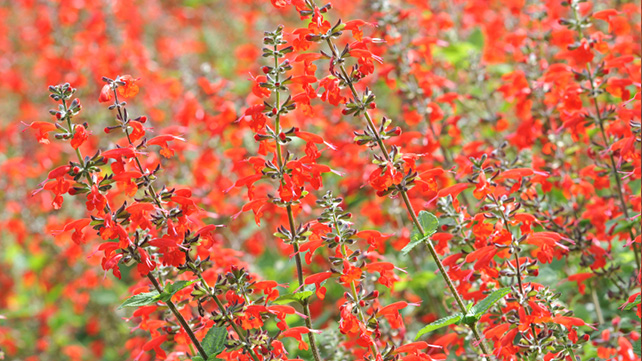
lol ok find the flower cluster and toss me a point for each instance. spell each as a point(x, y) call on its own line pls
point(394, 181)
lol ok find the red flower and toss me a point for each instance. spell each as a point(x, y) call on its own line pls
point(106, 94)
point(95, 200)
point(78, 225)
point(350, 274)
point(80, 135)
point(279, 4)
point(42, 129)
point(317, 279)
point(130, 89)
point(296, 333)
point(382, 179)
point(163, 140)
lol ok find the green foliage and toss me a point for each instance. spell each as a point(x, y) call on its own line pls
point(636, 348)
point(633, 304)
point(484, 305)
point(141, 299)
point(148, 298)
point(296, 297)
point(442, 322)
point(214, 341)
point(458, 53)
point(429, 223)
point(471, 317)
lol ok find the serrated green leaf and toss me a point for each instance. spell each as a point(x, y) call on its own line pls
point(633, 304)
point(214, 341)
point(300, 296)
point(429, 223)
point(197, 358)
point(141, 299)
point(442, 322)
point(484, 305)
point(172, 288)
point(636, 348)
point(410, 246)
point(296, 297)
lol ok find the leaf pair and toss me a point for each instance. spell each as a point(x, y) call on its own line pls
point(429, 223)
point(148, 298)
point(299, 297)
point(472, 315)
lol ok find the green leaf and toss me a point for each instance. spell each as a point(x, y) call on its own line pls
point(633, 304)
point(197, 358)
point(214, 341)
point(148, 298)
point(172, 288)
point(484, 305)
point(410, 246)
point(476, 39)
point(141, 299)
point(442, 322)
point(429, 223)
point(296, 297)
point(636, 348)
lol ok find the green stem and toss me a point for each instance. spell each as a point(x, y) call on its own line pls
point(410, 209)
point(221, 307)
point(297, 256)
point(158, 287)
point(353, 287)
point(614, 171)
point(596, 302)
point(179, 317)
point(123, 117)
point(299, 272)
point(443, 272)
